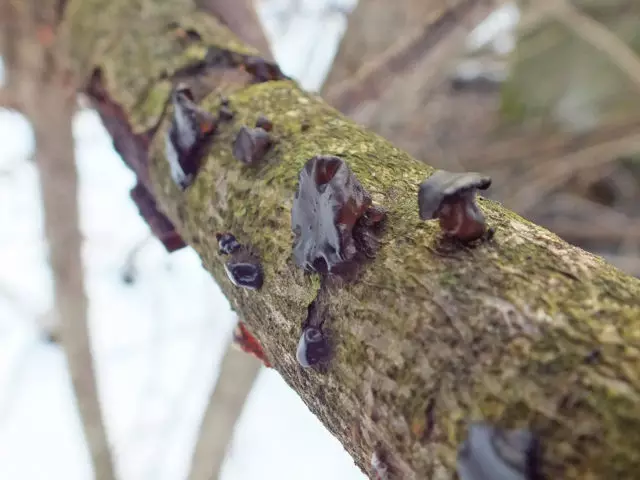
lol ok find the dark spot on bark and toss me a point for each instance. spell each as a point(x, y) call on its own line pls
point(227, 243)
point(305, 125)
point(490, 453)
point(593, 357)
point(188, 137)
point(430, 419)
point(224, 101)
point(225, 114)
point(328, 206)
point(251, 145)
point(451, 198)
point(193, 35)
point(264, 123)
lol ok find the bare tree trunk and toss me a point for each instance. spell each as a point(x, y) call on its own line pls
point(522, 330)
point(237, 376)
point(41, 85)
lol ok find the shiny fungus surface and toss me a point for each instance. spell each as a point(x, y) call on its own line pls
point(187, 138)
point(491, 453)
point(451, 198)
point(313, 347)
point(328, 202)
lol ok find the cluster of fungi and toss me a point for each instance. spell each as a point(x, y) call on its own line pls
point(336, 228)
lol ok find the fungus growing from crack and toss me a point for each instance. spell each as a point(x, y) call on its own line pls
point(189, 134)
point(313, 347)
point(227, 243)
point(328, 204)
point(251, 145)
point(243, 338)
point(451, 198)
point(490, 453)
point(244, 269)
point(264, 123)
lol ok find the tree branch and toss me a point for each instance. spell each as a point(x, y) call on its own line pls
point(522, 330)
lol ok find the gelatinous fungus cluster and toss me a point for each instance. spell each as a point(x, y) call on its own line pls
point(451, 198)
point(490, 453)
point(243, 338)
point(332, 216)
point(243, 268)
point(188, 136)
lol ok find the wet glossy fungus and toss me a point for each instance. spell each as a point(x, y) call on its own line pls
point(490, 453)
point(313, 348)
point(327, 204)
point(187, 138)
point(244, 270)
point(264, 123)
point(227, 243)
point(451, 198)
point(251, 144)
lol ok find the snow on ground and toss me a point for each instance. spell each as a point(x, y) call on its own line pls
point(157, 342)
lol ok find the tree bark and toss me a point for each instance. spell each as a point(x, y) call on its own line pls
point(522, 330)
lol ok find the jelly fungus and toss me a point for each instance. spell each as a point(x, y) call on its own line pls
point(187, 138)
point(227, 243)
point(313, 348)
point(451, 198)
point(251, 145)
point(264, 123)
point(490, 453)
point(244, 270)
point(328, 203)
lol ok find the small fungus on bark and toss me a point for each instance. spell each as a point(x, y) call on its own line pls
point(313, 348)
point(244, 269)
point(264, 123)
point(490, 453)
point(329, 202)
point(243, 338)
point(251, 145)
point(451, 198)
point(187, 139)
point(227, 243)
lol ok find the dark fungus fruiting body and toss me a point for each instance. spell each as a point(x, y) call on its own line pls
point(244, 269)
point(490, 453)
point(264, 123)
point(243, 338)
point(251, 145)
point(313, 347)
point(328, 204)
point(227, 243)
point(451, 198)
point(187, 138)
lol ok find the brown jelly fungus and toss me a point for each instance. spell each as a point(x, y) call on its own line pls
point(251, 145)
point(264, 123)
point(187, 138)
point(244, 270)
point(451, 198)
point(227, 243)
point(327, 204)
point(313, 348)
point(490, 453)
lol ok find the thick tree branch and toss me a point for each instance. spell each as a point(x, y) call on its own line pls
point(522, 330)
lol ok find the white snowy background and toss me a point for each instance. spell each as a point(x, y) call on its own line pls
point(157, 342)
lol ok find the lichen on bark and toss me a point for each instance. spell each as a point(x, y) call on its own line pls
point(522, 330)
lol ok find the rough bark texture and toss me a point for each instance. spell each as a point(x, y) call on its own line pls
point(524, 330)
